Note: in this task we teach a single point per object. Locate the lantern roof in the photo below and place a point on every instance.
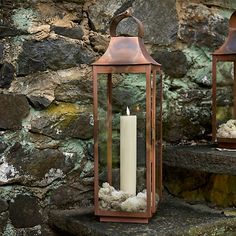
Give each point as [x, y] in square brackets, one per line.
[123, 50]
[229, 46]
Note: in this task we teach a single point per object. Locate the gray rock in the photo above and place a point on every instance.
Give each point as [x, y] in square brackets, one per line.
[6, 75]
[39, 102]
[13, 108]
[178, 66]
[1, 51]
[9, 31]
[47, 231]
[173, 217]
[76, 1]
[79, 91]
[99, 42]
[203, 158]
[25, 211]
[42, 142]
[76, 195]
[101, 13]
[3, 221]
[187, 113]
[3, 147]
[52, 54]
[74, 33]
[33, 231]
[201, 27]
[159, 18]
[39, 88]
[38, 167]
[3, 205]
[64, 120]
[231, 4]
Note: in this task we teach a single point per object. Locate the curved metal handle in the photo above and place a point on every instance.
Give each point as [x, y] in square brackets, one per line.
[116, 19]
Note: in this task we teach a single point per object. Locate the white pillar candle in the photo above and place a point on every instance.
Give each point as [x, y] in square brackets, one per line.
[128, 153]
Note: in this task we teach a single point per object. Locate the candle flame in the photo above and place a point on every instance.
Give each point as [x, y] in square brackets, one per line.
[127, 111]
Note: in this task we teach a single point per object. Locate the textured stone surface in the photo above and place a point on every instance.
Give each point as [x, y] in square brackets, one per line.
[24, 212]
[101, 12]
[74, 33]
[52, 54]
[78, 191]
[178, 66]
[173, 218]
[3, 205]
[76, 195]
[99, 42]
[186, 112]
[6, 75]
[200, 26]
[1, 51]
[202, 158]
[39, 168]
[8, 30]
[3, 146]
[38, 87]
[160, 25]
[79, 91]
[3, 221]
[198, 186]
[227, 3]
[13, 108]
[43, 142]
[64, 120]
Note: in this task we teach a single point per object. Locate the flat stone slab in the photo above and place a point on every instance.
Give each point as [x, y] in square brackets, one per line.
[173, 218]
[201, 157]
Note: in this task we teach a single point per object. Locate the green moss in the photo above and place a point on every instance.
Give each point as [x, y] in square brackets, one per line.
[222, 191]
[63, 108]
[65, 113]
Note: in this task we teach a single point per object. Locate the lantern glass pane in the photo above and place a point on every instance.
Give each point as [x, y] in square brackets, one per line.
[224, 93]
[122, 146]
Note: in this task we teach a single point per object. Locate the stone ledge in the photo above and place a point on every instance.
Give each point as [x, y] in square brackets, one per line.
[173, 218]
[202, 158]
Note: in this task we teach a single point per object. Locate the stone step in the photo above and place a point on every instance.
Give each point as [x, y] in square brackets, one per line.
[205, 158]
[174, 218]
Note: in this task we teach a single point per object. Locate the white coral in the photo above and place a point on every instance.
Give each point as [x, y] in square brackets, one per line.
[112, 199]
[136, 203]
[227, 130]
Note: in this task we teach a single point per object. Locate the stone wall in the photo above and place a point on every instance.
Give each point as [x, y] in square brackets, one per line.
[46, 120]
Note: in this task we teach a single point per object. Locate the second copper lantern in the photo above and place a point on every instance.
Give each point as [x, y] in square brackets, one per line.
[127, 146]
[224, 110]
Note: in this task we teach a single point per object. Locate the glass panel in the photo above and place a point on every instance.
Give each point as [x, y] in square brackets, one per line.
[128, 90]
[158, 137]
[224, 97]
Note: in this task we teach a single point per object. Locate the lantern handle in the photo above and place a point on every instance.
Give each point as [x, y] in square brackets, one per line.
[116, 19]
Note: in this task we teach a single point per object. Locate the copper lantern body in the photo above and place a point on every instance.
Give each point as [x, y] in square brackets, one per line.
[127, 56]
[226, 53]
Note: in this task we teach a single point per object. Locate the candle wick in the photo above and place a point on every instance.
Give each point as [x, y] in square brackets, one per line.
[127, 111]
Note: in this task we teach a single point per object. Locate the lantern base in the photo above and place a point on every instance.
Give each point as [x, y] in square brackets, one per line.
[123, 219]
[229, 143]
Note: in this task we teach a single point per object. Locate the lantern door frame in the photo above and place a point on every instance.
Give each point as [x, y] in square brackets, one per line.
[222, 142]
[153, 182]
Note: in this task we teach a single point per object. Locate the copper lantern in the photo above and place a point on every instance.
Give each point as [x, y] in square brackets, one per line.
[224, 113]
[127, 147]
